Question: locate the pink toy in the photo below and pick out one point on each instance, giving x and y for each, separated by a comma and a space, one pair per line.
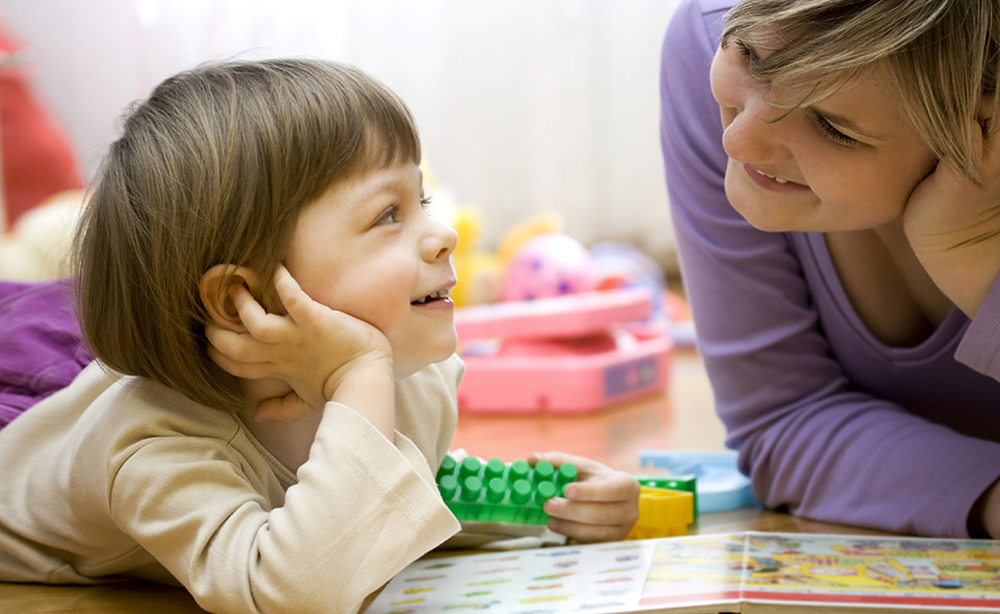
574, 353
548, 265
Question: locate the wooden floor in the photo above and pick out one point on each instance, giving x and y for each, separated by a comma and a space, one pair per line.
680, 419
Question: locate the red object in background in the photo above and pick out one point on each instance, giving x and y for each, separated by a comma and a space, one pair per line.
38, 160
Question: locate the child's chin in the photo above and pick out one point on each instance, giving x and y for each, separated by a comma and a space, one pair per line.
409, 368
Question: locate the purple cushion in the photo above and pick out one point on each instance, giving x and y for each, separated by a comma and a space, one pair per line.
41, 347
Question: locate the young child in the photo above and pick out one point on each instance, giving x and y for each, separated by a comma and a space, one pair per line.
840, 245
275, 385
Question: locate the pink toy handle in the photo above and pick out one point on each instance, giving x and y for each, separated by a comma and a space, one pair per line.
571, 315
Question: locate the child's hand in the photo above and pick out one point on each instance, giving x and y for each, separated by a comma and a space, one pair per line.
953, 226
601, 506
312, 348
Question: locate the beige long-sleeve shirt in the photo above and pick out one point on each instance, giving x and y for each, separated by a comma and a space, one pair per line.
121, 476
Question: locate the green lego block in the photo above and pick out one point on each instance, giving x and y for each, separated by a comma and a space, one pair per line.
495, 491
686, 483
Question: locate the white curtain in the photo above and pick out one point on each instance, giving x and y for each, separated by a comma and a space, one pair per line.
524, 106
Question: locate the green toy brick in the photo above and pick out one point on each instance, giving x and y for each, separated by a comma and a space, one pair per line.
495, 491
686, 483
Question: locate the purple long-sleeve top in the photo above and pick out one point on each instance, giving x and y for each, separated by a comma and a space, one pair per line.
829, 422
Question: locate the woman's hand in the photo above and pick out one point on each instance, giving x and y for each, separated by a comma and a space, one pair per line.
953, 226
985, 516
601, 506
312, 348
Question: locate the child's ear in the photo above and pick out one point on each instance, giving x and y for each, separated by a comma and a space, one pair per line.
214, 289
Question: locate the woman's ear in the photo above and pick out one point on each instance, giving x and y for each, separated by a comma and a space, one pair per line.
214, 289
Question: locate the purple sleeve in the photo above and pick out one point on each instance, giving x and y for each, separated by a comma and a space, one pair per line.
980, 347
808, 440
41, 347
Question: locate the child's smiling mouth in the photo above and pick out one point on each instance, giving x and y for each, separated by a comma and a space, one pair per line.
436, 296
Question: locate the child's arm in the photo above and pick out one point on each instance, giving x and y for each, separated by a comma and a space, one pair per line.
601, 506
322, 354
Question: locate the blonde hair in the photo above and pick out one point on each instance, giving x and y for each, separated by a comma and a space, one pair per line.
213, 169
942, 55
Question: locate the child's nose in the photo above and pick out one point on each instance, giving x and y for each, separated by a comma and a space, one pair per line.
439, 242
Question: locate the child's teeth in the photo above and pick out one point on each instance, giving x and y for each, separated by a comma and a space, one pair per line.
430, 297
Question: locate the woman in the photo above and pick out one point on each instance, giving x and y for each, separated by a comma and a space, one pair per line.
839, 244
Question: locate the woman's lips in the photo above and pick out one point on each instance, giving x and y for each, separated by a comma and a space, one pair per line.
772, 183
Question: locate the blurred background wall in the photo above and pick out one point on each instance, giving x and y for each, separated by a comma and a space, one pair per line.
524, 106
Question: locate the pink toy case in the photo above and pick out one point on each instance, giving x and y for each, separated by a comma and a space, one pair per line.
572, 353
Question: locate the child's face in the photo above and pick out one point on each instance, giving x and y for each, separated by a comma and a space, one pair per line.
848, 162
367, 247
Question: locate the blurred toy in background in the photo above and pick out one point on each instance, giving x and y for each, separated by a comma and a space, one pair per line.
38, 245
36, 155
547, 222
549, 265
479, 273
569, 353
619, 265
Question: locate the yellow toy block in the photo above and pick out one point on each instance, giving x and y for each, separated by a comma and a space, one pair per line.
663, 513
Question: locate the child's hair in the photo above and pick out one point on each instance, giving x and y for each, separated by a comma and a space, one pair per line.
213, 169
941, 53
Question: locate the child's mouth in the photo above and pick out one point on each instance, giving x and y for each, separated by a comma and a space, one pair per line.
440, 294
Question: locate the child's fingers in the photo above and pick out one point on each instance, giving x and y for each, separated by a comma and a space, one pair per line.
585, 466
588, 521
587, 512
290, 293
238, 368
588, 533
238, 347
260, 324
604, 487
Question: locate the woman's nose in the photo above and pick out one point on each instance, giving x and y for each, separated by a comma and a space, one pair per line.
752, 131
748, 118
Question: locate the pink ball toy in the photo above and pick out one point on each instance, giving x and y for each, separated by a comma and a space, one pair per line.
549, 265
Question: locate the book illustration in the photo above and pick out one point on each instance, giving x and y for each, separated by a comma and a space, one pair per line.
709, 573
599, 577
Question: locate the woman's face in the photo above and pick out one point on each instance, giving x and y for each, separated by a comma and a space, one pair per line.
848, 162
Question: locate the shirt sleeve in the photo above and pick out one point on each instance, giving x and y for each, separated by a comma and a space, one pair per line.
980, 346
809, 442
363, 508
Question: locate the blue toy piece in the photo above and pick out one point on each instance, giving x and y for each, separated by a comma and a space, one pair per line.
720, 485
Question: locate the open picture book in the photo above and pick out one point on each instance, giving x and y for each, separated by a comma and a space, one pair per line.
735, 572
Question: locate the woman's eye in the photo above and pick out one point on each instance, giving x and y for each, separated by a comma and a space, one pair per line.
425, 202
743, 49
389, 216
832, 133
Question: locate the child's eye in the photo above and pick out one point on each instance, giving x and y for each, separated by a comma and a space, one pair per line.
389, 216
832, 133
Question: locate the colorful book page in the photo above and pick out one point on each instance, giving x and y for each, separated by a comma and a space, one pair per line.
594, 578
700, 573
938, 573
689, 571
